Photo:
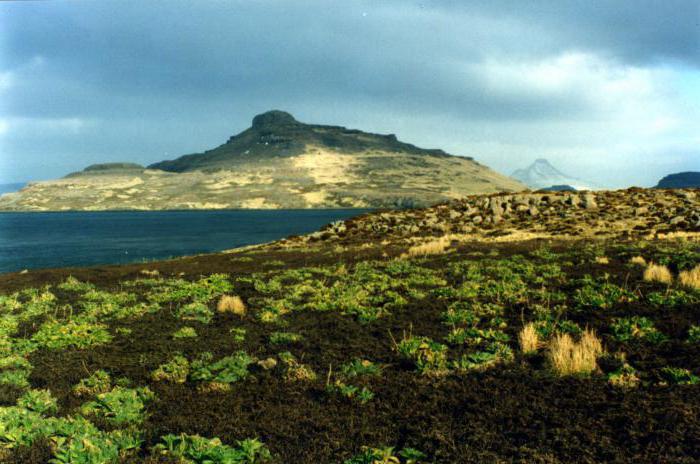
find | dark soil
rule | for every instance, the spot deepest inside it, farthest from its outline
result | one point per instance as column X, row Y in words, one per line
column 518, row 412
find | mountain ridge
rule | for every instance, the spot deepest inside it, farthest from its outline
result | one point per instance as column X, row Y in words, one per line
column 687, row 179
column 277, row 133
column 541, row 174
column 278, row 162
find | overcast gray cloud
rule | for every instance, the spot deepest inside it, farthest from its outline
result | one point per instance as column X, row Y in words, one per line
column 607, row 90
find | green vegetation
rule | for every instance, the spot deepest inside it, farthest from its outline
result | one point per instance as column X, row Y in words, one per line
column 120, row 406
column 79, row 333
column 185, row 332
column 284, row 338
column 175, row 370
column 481, row 318
column 679, row 376
column 196, row 311
column 99, row 382
column 199, row 450
column 238, row 334
column 600, row 293
column 630, row 328
column 428, row 356
column 228, row 369
column 387, row 456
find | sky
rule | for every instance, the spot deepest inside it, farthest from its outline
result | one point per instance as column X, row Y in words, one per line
column 607, row 91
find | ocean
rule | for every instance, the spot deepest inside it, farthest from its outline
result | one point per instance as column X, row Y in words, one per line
column 61, row 239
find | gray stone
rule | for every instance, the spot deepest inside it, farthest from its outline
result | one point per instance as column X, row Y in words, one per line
column 589, row 201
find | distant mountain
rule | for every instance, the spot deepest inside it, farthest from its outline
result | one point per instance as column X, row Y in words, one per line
column 559, row 188
column 278, row 162
column 7, row 188
column 687, row 179
column 541, row 174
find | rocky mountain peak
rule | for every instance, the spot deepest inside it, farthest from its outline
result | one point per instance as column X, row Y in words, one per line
column 541, row 174
column 272, row 119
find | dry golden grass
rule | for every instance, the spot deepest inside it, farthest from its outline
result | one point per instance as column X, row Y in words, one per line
column 151, row 273
column 658, row 273
column 569, row 358
column 433, row 247
column 528, row 339
column 231, row 304
column 690, row 278
column 638, row 260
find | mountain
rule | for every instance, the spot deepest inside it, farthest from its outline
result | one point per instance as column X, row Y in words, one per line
column 278, row 162
column 559, row 188
column 541, row 174
column 687, row 179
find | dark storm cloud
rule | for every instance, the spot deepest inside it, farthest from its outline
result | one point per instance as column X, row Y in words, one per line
column 638, row 31
column 90, row 80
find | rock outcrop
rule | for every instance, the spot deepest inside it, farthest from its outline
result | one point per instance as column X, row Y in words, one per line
column 633, row 213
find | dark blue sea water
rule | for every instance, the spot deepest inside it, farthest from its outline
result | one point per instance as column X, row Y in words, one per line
column 41, row 240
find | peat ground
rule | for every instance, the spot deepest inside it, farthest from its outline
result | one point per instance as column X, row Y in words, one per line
column 516, row 410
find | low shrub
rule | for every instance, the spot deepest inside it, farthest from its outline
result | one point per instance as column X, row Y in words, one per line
column 238, row 334
column 80, row 334
column 120, row 406
column 294, row 371
column 636, row 327
column 428, row 356
column 360, row 367
column 625, row 376
column 494, row 354
column 197, row 449
column 39, row 401
column 196, row 311
column 284, row 338
column 228, row 369
column 679, row 376
column 185, row 332
column 352, row 392
column 99, row 382
column 387, row 455
column 176, row 370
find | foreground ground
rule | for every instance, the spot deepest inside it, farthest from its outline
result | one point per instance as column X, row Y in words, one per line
column 339, row 350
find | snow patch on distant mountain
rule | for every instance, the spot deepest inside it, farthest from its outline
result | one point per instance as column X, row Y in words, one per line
column 541, row 174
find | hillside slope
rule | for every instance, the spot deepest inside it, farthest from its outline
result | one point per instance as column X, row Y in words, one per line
column 687, row 179
column 433, row 335
column 277, row 163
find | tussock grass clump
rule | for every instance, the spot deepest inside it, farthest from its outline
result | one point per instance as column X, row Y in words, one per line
column 638, row 260
column 529, row 339
column 658, row 273
column 691, row 278
column 433, row 247
column 570, row 358
column 231, row 304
